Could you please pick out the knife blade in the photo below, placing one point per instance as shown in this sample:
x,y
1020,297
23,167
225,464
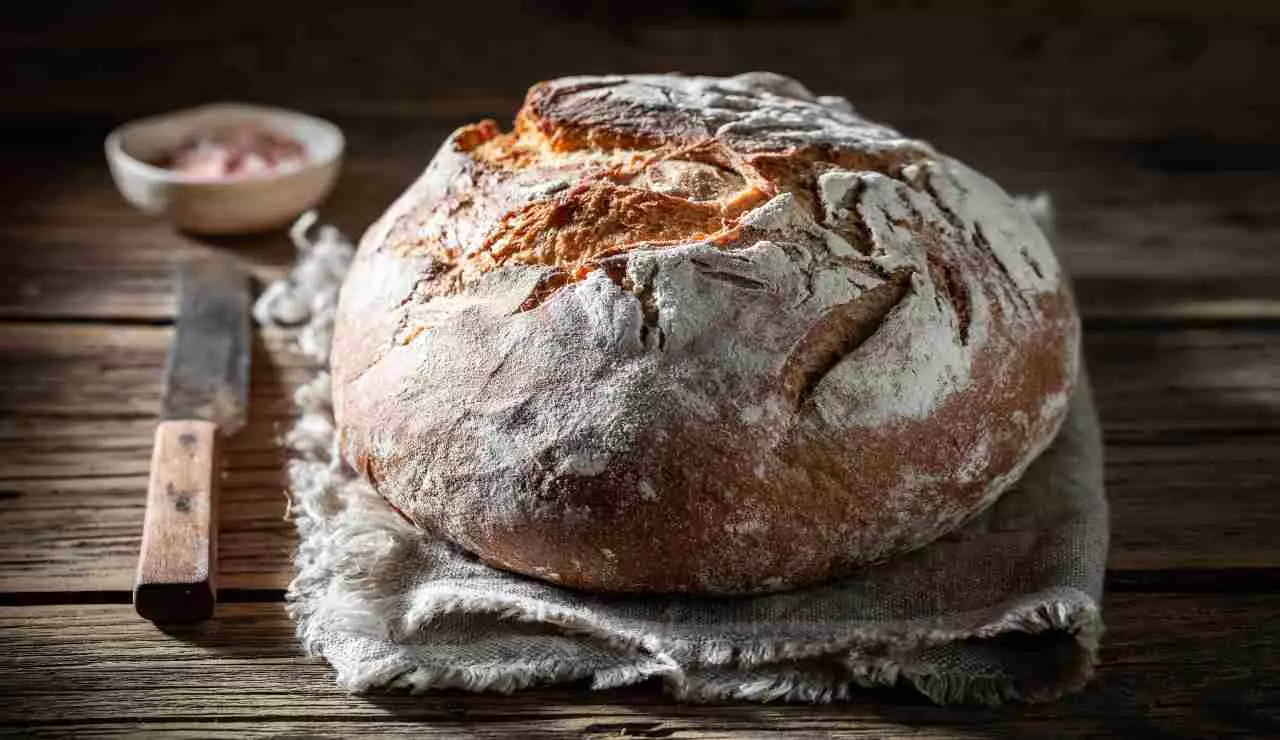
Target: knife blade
x,y
207,369
205,397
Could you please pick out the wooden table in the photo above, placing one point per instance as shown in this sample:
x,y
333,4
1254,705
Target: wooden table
x,y
1155,131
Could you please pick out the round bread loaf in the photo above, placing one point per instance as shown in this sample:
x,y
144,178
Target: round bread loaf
x,y
691,334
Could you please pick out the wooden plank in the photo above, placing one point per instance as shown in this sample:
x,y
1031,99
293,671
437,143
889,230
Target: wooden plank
x,y
1224,378
1192,420
1182,385
1170,663
91,370
77,409
1167,503
1141,242
1167,209
1148,129
83,534
59,263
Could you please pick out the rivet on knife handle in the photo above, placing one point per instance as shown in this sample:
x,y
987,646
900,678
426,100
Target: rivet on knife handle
x,y
176,569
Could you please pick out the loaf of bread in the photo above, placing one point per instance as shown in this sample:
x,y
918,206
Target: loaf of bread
x,y
698,335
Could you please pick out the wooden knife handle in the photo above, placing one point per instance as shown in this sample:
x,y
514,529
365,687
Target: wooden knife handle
x,y
175,581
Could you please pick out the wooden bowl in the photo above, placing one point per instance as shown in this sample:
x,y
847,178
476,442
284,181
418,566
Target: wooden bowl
x,y
222,206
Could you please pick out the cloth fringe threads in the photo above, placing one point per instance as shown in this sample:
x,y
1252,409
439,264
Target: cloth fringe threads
x,y
1004,609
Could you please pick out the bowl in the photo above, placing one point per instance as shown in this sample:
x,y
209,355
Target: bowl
x,y
238,205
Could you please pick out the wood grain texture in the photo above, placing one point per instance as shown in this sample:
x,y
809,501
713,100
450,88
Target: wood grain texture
x,y
1192,423
77,414
1169,660
1139,243
1147,127
177,576
1150,122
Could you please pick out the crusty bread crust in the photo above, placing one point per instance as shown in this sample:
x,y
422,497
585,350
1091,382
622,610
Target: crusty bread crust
x,y
686,334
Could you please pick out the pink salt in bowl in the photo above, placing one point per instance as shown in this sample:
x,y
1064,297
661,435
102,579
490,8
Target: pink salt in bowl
x,y
141,155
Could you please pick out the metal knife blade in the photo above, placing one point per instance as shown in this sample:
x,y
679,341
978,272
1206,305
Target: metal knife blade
x,y
207,370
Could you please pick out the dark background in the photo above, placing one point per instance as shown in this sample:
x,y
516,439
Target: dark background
x,y
1170,85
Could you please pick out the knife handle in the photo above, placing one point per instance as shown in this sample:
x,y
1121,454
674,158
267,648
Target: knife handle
x,y
175,581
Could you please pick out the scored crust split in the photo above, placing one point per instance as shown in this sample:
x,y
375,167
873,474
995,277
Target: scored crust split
x,y
691,334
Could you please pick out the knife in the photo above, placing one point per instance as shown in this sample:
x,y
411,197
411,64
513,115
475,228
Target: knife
x,y
205,397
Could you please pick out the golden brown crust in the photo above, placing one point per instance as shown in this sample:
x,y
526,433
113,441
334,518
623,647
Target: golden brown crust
x,y
694,335
618,165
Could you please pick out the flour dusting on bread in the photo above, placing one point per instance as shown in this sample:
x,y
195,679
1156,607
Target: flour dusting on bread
x,y
733,335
